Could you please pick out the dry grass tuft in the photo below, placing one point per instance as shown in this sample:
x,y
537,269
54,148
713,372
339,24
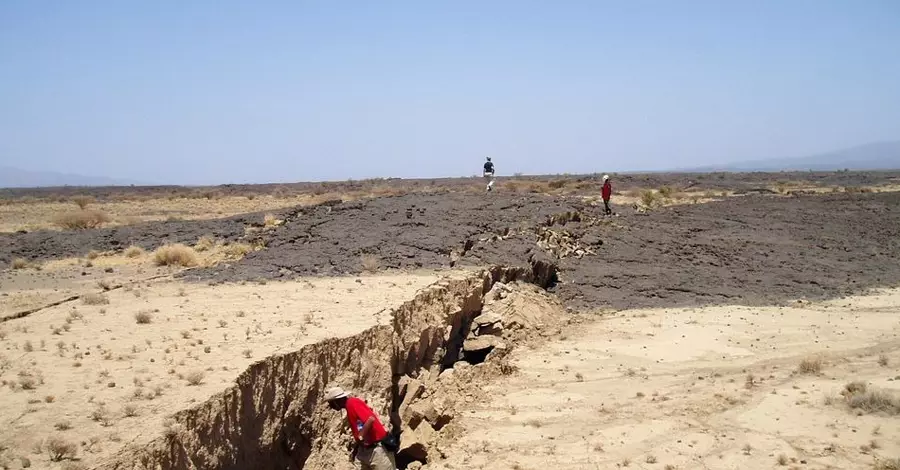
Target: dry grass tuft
x,y
175,255
63,426
143,317
883,361
60,449
888,464
810,365
194,378
19,263
861,396
130,411
94,299
81,220
93,254
82,201
238,250
649,199
782,460
370,262
205,243
133,251
271,221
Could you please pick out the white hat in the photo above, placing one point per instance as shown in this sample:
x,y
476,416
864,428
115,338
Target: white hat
x,y
605,177
335,393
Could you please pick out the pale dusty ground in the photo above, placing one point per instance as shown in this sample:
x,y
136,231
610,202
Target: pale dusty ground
x,y
657,388
40,214
86,368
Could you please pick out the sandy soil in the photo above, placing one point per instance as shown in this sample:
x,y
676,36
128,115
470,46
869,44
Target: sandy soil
x,y
93,375
715,388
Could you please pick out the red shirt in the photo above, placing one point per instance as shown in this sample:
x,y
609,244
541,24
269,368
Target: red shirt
x,y
357,415
607,191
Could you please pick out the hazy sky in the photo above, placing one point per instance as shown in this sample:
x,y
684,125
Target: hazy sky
x,y
225,91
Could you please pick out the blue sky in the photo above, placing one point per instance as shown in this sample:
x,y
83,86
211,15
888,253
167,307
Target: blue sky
x,y
225,91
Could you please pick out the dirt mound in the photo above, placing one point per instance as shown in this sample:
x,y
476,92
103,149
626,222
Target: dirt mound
x,y
412,371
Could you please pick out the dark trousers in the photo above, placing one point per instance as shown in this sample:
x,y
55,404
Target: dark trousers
x,y
606,205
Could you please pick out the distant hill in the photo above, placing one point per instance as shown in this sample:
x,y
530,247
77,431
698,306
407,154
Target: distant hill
x,y
874,156
16,178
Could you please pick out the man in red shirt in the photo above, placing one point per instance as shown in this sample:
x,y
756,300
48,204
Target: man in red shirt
x,y
368,432
606,192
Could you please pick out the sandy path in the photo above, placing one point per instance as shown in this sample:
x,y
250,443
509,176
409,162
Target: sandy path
x,y
712,388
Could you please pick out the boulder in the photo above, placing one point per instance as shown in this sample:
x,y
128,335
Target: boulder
x,y
481,343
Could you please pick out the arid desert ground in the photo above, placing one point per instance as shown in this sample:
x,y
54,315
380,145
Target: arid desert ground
x,y
716,321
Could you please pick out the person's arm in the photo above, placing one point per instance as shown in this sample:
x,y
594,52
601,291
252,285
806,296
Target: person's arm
x,y
367,428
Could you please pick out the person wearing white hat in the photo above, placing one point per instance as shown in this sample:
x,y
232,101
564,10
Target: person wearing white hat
x,y
606,192
489,174
368,432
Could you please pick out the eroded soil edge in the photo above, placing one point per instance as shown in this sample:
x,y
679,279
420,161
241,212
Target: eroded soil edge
x,y
411,371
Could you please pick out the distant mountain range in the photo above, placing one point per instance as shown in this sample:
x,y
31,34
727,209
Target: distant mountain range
x,y
874,156
16,178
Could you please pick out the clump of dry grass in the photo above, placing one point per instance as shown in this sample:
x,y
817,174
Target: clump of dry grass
x,y
82,201
370,262
133,251
175,255
63,426
238,250
194,378
271,221
810,365
19,263
666,192
883,360
782,460
94,299
143,317
130,411
93,254
81,220
861,396
888,464
205,243
60,449
649,199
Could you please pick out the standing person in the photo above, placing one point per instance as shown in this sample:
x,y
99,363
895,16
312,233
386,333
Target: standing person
x,y
368,432
489,173
606,193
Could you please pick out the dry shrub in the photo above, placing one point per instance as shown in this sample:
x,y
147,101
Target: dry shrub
x,y
60,449
666,192
130,411
557,184
143,317
19,263
271,221
93,254
175,255
134,251
649,198
205,243
883,360
810,365
888,464
863,397
370,262
194,378
81,220
238,250
94,299
82,201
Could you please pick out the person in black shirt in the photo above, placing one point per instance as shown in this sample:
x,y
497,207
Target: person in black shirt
x,y
489,173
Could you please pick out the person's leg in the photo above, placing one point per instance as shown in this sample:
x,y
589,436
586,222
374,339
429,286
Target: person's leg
x,y
382,459
365,457
606,205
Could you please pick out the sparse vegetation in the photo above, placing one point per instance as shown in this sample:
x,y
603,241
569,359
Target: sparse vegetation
x,y
194,378
82,201
130,411
370,262
175,255
92,255
883,361
782,460
81,220
649,199
248,353
143,317
63,426
810,365
861,396
238,250
205,243
60,449
271,221
101,415
94,299
19,263
666,192
133,251
887,464
533,422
